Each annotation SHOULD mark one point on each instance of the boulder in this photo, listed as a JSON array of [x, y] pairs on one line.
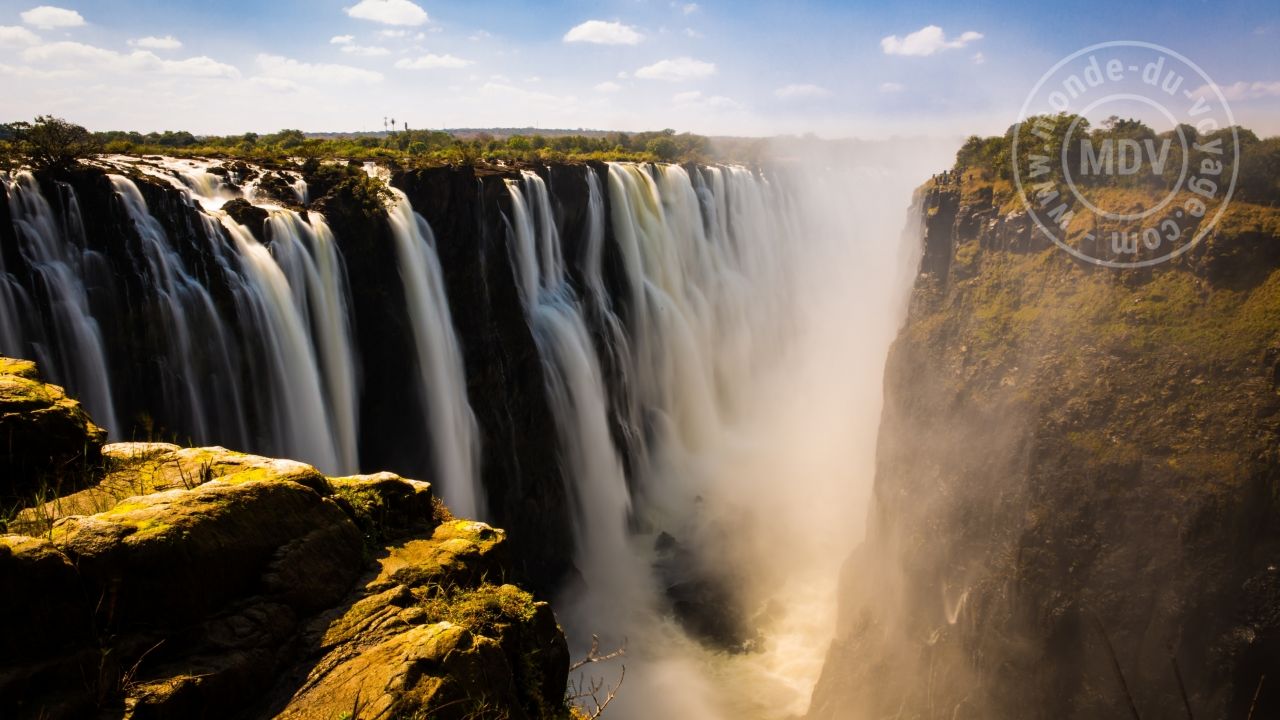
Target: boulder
[[385, 505], [252, 217], [203, 582], [43, 590], [47, 441]]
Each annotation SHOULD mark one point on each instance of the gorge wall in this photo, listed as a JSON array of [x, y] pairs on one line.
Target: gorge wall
[[1075, 504]]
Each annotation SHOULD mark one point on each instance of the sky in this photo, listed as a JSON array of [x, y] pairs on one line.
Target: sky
[[838, 69]]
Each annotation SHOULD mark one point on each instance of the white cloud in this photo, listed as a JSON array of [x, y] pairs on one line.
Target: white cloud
[[393, 33], [63, 54], [926, 41], [1244, 90], [47, 17], [341, 39], [690, 32], [520, 96], [280, 67], [78, 56], [677, 70], [608, 86], [689, 8], [604, 32], [479, 35], [714, 102], [979, 58], [168, 42], [365, 50], [389, 12], [199, 66], [14, 36], [801, 91], [431, 61], [890, 88], [275, 83]]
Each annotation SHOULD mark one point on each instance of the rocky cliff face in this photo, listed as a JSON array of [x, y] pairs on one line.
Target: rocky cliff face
[[1076, 511], [522, 473], [207, 583]]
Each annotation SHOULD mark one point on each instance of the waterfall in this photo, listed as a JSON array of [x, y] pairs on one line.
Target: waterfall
[[56, 254], [199, 374], [309, 258], [712, 348], [297, 299], [301, 422], [441, 383], [575, 386], [743, 343]]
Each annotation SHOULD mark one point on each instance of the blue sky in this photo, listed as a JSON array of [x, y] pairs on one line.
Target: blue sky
[[867, 69]]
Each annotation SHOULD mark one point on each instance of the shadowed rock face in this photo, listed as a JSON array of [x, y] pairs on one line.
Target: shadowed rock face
[[47, 442], [1075, 484], [202, 582]]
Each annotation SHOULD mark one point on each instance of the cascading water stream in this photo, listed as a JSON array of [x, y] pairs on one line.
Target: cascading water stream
[[575, 387], [301, 421], [441, 380], [188, 318], [55, 252], [747, 347], [309, 258], [296, 293]]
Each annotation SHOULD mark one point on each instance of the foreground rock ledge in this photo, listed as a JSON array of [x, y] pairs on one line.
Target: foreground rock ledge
[[207, 583]]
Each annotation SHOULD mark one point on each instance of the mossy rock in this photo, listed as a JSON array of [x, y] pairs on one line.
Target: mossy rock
[[385, 505], [48, 443], [177, 556], [459, 552], [135, 469], [440, 670]]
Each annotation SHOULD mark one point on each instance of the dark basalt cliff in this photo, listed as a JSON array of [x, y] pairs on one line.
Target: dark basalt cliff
[[506, 386], [1076, 510]]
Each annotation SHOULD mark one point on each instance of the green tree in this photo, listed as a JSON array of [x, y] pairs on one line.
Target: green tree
[[664, 148], [54, 143]]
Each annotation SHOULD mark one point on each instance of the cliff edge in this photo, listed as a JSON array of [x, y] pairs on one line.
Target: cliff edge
[[1075, 511], [203, 582]]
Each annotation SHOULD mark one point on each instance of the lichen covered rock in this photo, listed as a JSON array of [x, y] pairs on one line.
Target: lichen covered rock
[[202, 582], [47, 441]]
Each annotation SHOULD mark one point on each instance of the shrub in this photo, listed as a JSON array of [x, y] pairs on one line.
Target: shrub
[[54, 143]]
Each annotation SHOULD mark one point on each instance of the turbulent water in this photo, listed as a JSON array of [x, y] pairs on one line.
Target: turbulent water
[[712, 346]]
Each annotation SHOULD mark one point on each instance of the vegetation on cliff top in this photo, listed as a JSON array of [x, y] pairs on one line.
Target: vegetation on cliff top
[[989, 161], [50, 142]]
